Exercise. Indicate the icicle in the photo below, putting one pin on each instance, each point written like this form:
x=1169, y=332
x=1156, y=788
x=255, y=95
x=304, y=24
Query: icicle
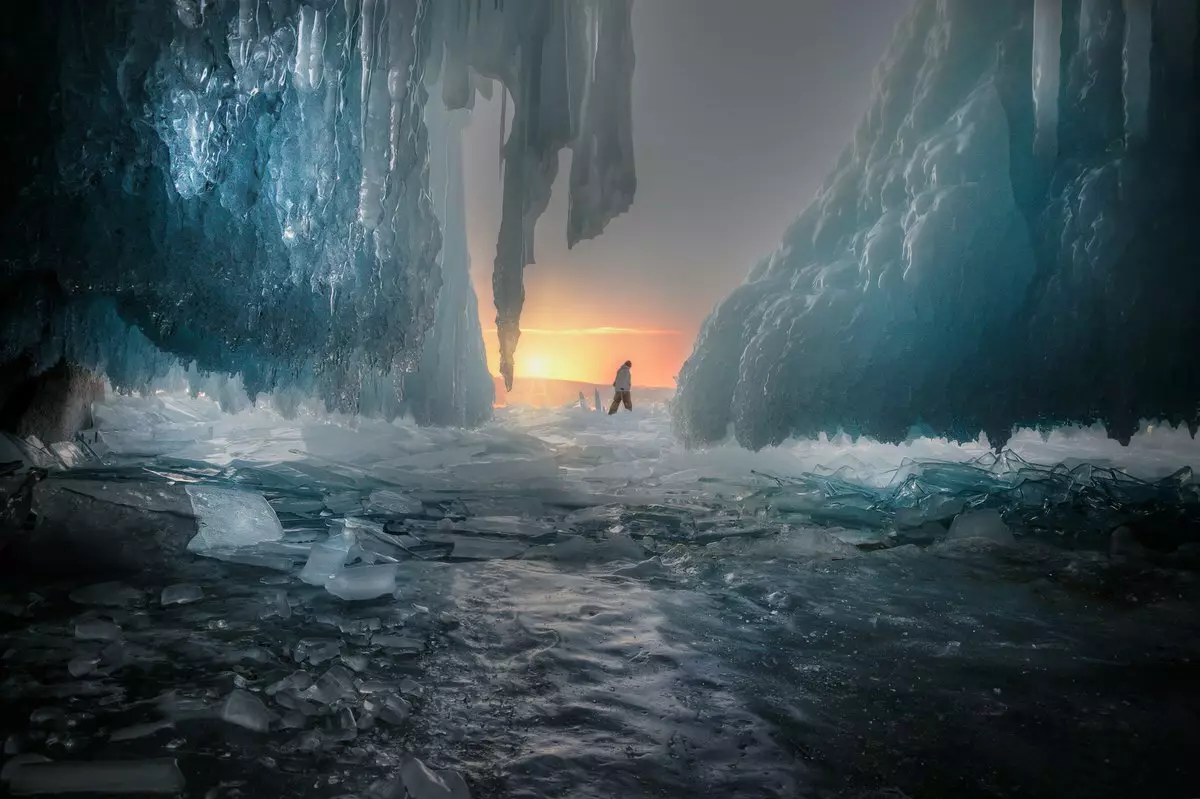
x=503, y=124
x=1047, y=59
x=1137, y=68
x=316, y=61
x=304, y=31
x=348, y=41
x=366, y=49
x=1176, y=23
x=399, y=56
x=247, y=30
x=376, y=111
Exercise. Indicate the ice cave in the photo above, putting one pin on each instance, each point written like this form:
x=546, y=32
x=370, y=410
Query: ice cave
x=918, y=518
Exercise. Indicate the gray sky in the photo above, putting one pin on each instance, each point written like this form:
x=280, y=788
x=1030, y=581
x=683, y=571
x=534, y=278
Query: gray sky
x=741, y=108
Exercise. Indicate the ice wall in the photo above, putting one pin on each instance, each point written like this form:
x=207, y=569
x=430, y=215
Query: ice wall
x=1010, y=238
x=244, y=184
x=451, y=385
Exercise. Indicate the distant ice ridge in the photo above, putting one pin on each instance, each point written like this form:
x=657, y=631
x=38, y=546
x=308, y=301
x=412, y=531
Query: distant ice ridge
x=245, y=185
x=1008, y=241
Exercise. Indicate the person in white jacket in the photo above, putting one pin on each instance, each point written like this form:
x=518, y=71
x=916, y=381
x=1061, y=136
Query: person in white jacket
x=622, y=383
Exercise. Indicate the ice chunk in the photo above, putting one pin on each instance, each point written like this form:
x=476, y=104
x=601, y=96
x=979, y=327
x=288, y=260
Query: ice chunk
x=106, y=595
x=229, y=519
x=394, y=710
x=246, y=710
x=362, y=583
x=473, y=548
x=181, y=594
x=388, y=501
x=981, y=524
x=14, y=763
x=297, y=680
x=344, y=502
x=422, y=783
x=1137, y=68
x=159, y=776
x=326, y=559
x=335, y=685
x=97, y=630
x=277, y=605
x=342, y=726
x=82, y=665
x=48, y=716
x=1047, y=58
x=136, y=731
x=399, y=643
x=317, y=652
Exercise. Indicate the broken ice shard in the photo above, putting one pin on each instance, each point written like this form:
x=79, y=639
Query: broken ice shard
x=228, y=519
x=395, y=710
x=246, y=710
x=981, y=524
x=326, y=559
x=181, y=594
x=13, y=763
x=335, y=685
x=161, y=776
x=423, y=783
x=363, y=582
x=388, y=501
x=97, y=630
x=83, y=664
x=106, y=595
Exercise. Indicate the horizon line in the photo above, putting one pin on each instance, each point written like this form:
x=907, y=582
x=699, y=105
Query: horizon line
x=594, y=383
x=594, y=331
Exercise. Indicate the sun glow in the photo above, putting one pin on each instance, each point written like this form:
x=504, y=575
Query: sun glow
x=536, y=366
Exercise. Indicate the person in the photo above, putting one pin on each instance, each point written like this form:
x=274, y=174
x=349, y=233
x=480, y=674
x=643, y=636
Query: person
x=622, y=383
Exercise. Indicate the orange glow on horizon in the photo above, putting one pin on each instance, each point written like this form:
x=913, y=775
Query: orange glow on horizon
x=593, y=355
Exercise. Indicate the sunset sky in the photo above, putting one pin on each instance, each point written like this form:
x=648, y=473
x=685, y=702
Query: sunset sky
x=738, y=117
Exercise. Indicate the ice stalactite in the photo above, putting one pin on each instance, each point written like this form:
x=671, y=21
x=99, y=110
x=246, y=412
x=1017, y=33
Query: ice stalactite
x=245, y=183
x=301, y=76
x=1138, y=43
x=316, y=59
x=571, y=86
x=1047, y=58
x=603, y=180
x=376, y=110
x=452, y=385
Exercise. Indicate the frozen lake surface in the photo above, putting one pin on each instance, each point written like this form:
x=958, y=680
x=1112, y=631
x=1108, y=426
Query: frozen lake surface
x=565, y=604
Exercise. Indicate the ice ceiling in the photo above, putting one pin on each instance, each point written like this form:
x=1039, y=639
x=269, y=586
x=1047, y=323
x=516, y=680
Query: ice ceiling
x=245, y=184
x=1010, y=238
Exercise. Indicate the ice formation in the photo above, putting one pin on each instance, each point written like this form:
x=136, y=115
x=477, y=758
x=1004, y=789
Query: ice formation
x=1008, y=240
x=244, y=186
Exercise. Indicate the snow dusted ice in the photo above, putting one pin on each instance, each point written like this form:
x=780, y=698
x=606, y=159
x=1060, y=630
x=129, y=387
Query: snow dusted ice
x=566, y=603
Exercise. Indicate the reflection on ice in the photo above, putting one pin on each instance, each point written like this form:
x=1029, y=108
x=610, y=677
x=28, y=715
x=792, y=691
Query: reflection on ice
x=566, y=603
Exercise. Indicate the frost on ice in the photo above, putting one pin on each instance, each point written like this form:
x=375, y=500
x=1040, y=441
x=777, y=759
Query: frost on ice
x=245, y=186
x=1008, y=240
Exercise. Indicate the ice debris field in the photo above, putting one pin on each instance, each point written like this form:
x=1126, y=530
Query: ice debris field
x=565, y=603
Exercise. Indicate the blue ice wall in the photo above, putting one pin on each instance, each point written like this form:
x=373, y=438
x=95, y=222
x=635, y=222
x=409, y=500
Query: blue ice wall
x=244, y=185
x=1009, y=239
x=451, y=385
